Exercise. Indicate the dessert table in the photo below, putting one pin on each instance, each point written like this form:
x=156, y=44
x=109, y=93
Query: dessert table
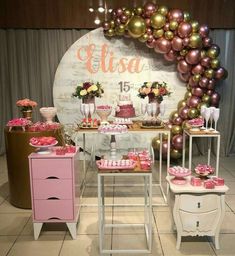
x=17, y=151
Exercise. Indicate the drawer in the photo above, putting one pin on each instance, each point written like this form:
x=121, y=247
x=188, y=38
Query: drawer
x=52, y=188
x=53, y=209
x=199, y=203
x=203, y=222
x=44, y=168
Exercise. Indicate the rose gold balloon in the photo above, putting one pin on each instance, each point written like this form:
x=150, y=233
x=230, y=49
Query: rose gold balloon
x=148, y=22
x=162, y=45
x=221, y=73
x=193, y=56
x=198, y=69
x=151, y=44
x=106, y=25
x=184, y=29
x=186, y=41
x=176, y=15
x=197, y=91
x=148, y=30
x=117, y=21
x=177, y=141
x=177, y=43
x=183, y=112
x=211, y=84
x=123, y=18
x=114, y=14
x=207, y=41
x=150, y=38
x=184, y=77
x=215, y=98
x=170, y=56
x=149, y=9
x=177, y=120
x=204, y=31
x=205, y=62
x=183, y=67
x=203, y=82
x=192, y=82
x=193, y=101
x=166, y=27
x=210, y=92
x=119, y=11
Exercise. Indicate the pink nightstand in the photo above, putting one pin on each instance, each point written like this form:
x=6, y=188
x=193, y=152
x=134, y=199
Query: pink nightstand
x=53, y=193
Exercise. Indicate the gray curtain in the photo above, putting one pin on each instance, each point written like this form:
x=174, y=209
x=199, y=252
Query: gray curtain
x=29, y=58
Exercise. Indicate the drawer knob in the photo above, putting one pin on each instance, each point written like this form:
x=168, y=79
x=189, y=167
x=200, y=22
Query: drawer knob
x=197, y=224
x=198, y=205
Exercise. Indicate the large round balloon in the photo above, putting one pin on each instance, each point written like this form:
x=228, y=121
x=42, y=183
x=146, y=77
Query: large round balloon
x=136, y=26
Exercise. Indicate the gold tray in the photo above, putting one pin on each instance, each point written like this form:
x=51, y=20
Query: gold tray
x=152, y=127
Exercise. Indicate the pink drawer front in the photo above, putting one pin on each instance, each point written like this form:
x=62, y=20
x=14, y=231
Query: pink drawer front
x=52, y=188
x=44, y=168
x=53, y=209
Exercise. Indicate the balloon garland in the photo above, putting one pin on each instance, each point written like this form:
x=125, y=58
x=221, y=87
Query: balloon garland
x=180, y=39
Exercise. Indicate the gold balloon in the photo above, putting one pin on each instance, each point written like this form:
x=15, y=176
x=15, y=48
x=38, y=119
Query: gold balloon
x=174, y=114
x=143, y=38
x=183, y=52
x=176, y=129
x=136, y=26
x=209, y=73
x=158, y=33
x=195, y=26
x=187, y=95
x=193, y=112
x=169, y=35
x=138, y=10
x=112, y=23
x=163, y=10
x=212, y=53
x=110, y=32
x=181, y=103
x=156, y=143
x=120, y=29
x=206, y=98
x=202, y=104
x=187, y=17
x=196, y=78
x=127, y=12
x=164, y=136
x=215, y=63
x=173, y=25
x=157, y=20
x=195, y=41
x=186, y=125
x=176, y=154
x=203, y=53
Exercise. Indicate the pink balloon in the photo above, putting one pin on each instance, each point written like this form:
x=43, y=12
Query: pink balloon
x=177, y=43
x=198, y=69
x=216, y=47
x=117, y=21
x=177, y=120
x=206, y=62
x=183, y=112
x=151, y=44
x=184, y=29
x=204, y=31
x=119, y=12
x=149, y=31
x=114, y=14
x=193, y=101
x=106, y=25
x=184, y=77
x=215, y=98
x=186, y=41
x=221, y=73
x=207, y=41
x=162, y=45
x=176, y=15
x=193, y=56
x=167, y=27
x=149, y=9
x=150, y=38
x=197, y=91
x=148, y=22
x=123, y=18
x=210, y=92
x=203, y=82
x=192, y=83
x=211, y=84
x=164, y=147
x=170, y=56
x=177, y=141
x=183, y=67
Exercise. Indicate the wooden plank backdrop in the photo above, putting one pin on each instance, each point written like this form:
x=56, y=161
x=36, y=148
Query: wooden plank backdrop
x=75, y=14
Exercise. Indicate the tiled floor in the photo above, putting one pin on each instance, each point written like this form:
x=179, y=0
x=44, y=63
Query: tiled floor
x=16, y=231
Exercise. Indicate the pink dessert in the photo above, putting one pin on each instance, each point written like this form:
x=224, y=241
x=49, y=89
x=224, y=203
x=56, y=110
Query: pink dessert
x=209, y=184
x=218, y=181
x=125, y=107
x=195, y=181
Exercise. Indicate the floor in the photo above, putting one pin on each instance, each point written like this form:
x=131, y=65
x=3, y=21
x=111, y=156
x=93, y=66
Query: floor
x=16, y=232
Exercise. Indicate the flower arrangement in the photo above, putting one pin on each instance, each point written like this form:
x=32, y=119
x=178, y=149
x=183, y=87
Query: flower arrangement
x=88, y=90
x=154, y=90
x=26, y=104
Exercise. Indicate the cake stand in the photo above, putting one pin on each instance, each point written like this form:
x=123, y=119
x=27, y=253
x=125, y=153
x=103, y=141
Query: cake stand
x=43, y=149
x=103, y=113
x=179, y=173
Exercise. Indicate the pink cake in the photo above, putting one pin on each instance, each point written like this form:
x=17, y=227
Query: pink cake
x=125, y=107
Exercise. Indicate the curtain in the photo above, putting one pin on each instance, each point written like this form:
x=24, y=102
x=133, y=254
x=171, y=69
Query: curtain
x=29, y=58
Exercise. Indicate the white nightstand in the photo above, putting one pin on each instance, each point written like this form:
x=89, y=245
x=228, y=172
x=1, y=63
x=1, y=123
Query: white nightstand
x=197, y=211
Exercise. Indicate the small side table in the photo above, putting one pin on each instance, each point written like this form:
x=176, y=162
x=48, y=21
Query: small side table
x=197, y=211
x=202, y=134
x=147, y=175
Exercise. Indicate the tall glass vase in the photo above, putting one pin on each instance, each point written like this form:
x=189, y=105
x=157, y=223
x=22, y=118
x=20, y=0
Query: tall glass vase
x=157, y=102
x=89, y=100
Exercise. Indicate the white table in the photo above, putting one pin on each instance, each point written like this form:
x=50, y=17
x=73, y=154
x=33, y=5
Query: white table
x=147, y=175
x=201, y=134
x=197, y=211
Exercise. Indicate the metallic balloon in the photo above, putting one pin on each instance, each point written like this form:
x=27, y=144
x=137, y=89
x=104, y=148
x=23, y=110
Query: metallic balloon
x=127, y=12
x=209, y=73
x=177, y=141
x=106, y=25
x=176, y=15
x=185, y=124
x=181, y=103
x=156, y=143
x=196, y=78
x=195, y=26
x=119, y=12
x=157, y=20
x=193, y=82
x=166, y=27
x=195, y=41
x=136, y=26
x=120, y=29
x=183, y=112
x=143, y=38
x=210, y=92
x=212, y=53
x=187, y=95
x=197, y=91
x=176, y=154
x=204, y=31
x=215, y=98
x=186, y=41
x=173, y=115
x=205, y=62
x=173, y=25
x=207, y=41
x=176, y=129
x=211, y=84
x=177, y=43
x=183, y=52
x=187, y=17
x=215, y=47
x=221, y=73
x=112, y=24
x=201, y=104
x=198, y=69
x=158, y=33
x=151, y=44
x=206, y=98
x=110, y=32
x=170, y=56
x=203, y=82
x=184, y=29
x=124, y=18
x=138, y=10
x=177, y=120
x=184, y=77
x=169, y=35
x=215, y=63
x=193, y=101
x=193, y=56
x=162, y=45
x=149, y=9
x=163, y=10
x=193, y=113
x=183, y=67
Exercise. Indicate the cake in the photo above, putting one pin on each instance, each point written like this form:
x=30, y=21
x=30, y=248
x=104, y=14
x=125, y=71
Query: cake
x=125, y=107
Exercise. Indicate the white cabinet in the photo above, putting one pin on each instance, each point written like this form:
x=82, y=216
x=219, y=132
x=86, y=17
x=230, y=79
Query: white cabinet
x=197, y=211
